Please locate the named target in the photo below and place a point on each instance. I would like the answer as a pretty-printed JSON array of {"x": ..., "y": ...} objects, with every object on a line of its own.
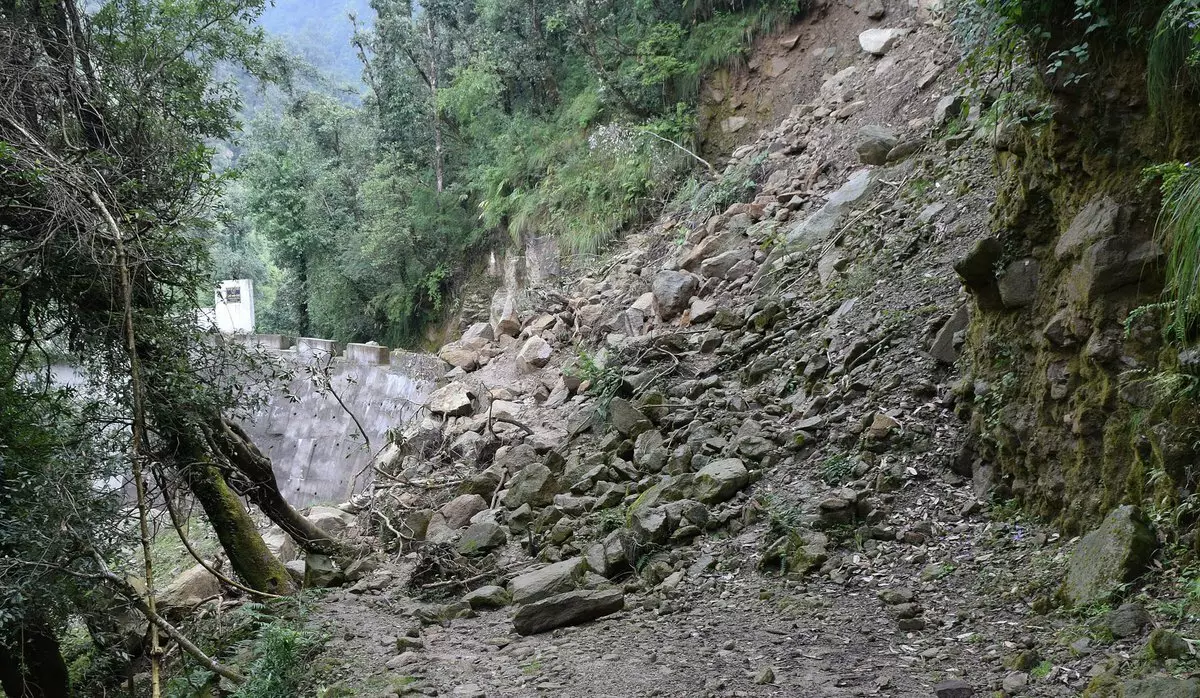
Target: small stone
[
  {"x": 953, "y": 688},
  {"x": 765, "y": 675},
  {"x": 1015, "y": 682}
]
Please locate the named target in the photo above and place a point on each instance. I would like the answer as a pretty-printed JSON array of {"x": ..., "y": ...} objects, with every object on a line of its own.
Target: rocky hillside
[{"x": 747, "y": 452}]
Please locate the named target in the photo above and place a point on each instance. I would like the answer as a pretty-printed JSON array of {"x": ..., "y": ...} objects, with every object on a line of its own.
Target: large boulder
[
  {"x": 320, "y": 571},
  {"x": 280, "y": 544},
  {"x": 504, "y": 317},
  {"x": 718, "y": 266},
  {"x": 614, "y": 556},
  {"x": 458, "y": 511},
  {"x": 480, "y": 331},
  {"x": 571, "y": 608},
  {"x": 482, "y": 537},
  {"x": 1161, "y": 687},
  {"x": 453, "y": 400},
  {"x": 332, "y": 521},
  {"x": 627, "y": 419},
  {"x": 720, "y": 480},
  {"x": 879, "y": 41},
  {"x": 874, "y": 144},
  {"x": 460, "y": 355},
  {"x": 978, "y": 272},
  {"x": 188, "y": 589},
  {"x": 673, "y": 290},
  {"x": 534, "y": 354},
  {"x": 1110, "y": 556},
  {"x": 534, "y": 485},
  {"x": 547, "y": 581}
]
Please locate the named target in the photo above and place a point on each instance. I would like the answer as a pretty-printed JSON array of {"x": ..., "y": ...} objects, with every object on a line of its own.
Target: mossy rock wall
[{"x": 1069, "y": 399}]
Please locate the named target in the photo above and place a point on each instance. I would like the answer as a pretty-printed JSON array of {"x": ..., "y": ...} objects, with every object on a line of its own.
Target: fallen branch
[{"x": 158, "y": 621}]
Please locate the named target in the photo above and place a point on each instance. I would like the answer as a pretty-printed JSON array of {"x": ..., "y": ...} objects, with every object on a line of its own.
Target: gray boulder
[
  {"x": 874, "y": 144},
  {"x": 453, "y": 400},
  {"x": 1128, "y": 620},
  {"x": 191, "y": 587},
  {"x": 460, "y": 355},
  {"x": 534, "y": 354},
  {"x": 879, "y": 41},
  {"x": 1161, "y": 687},
  {"x": 571, "y": 608},
  {"x": 333, "y": 522},
  {"x": 1108, "y": 557},
  {"x": 486, "y": 597},
  {"x": 458, "y": 511},
  {"x": 547, "y": 581},
  {"x": 481, "y": 537},
  {"x": 672, "y": 292},
  {"x": 320, "y": 571},
  {"x": 534, "y": 485},
  {"x": 614, "y": 556},
  {"x": 953, "y": 688},
  {"x": 627, "y": 419},
  {"x": 720, "y": 480}
]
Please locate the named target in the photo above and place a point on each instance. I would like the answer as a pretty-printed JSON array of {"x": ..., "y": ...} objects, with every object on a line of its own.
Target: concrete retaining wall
[{"x": 318, "y": 452}]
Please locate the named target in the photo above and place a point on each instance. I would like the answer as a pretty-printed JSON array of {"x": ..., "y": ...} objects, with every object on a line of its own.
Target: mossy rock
[
  {"x": 1112, "y": 555},
  {"x": 1161, "y": 687}
]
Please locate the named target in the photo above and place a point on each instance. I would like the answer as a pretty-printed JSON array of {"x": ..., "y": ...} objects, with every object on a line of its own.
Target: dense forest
[{"x": 479, "y": 124}]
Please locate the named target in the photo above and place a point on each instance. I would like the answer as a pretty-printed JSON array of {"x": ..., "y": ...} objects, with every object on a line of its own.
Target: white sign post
[{"x": 234, "y": 309}]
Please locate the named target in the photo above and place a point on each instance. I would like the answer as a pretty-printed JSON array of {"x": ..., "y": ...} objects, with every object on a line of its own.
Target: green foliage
[
  {"x": 1174, "y": 52},
  {"x": 1179, "y": 232},
  {"x": 569, "y": 119},
  {"x": 836, "y": 469},
  {"x": 273, "y": 637},
  {"x": 603, "y": 381}
]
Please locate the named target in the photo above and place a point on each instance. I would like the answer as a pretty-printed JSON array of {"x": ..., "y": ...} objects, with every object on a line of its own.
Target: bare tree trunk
[
  {"x": 433, "y": 91},
  {"x": 31, "y": 664}
]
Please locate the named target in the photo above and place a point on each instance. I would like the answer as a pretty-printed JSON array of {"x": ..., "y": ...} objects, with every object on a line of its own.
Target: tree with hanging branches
[{"x": 105, "y": 117}]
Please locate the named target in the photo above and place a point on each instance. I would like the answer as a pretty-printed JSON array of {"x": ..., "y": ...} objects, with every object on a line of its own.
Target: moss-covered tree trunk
[
  {"x": 244, "y": 456},
  {"x": 31, "y": 665},
  {"x": 248, "y": 554}
]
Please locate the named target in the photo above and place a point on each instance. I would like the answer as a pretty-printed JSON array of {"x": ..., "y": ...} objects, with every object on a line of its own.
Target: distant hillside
[{"x": 321, "y": 32}]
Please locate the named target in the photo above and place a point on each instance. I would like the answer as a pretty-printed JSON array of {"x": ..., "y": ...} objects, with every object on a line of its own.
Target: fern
[
  {"x": 1179, "y": 232},
  {"x": 1173, "y": 47}
]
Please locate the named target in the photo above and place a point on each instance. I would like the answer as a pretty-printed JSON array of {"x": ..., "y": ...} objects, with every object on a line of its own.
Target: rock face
[
  {"x": 571, "y": 608},
  {"x": 672, "y": 292},
  {"x": 1113, "y": 554}
]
